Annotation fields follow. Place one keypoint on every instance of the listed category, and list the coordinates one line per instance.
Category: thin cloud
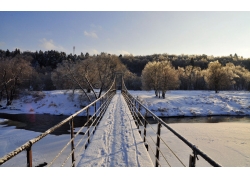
(91, 34)
(124, 52)
(2, 44)
(50, 45)
(94, 51)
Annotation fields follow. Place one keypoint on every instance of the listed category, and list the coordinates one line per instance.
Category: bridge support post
(29, 157)
(72, 142)
(158, 145)
(86, 145)
(95, 109)
(145, 130)
(88, 124)
(101, 104)
(192, 159)
(134, 110)
(95, 120)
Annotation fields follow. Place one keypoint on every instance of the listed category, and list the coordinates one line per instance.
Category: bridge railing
(100, 106)
(136, 108)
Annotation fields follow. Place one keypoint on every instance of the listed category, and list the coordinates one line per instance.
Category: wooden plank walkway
(116, 142)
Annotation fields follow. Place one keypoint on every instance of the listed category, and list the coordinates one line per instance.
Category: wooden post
(29, 157)
(158, 144)
(72, 142)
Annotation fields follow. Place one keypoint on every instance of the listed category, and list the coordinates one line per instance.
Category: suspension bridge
(117, 134)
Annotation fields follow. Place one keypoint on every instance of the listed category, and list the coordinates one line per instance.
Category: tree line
(51, 70)
(161, 76)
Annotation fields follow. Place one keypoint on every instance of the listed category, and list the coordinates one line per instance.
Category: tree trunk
(156, 93)
(79, 84)
(159, 94)
(163, 94)
(7, 95)
(91, 87)
(100, 93)
(9, 102)
(1, 95)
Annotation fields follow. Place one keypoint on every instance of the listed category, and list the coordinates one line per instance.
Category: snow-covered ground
(196, 103)
(177, 103)
(58, 102)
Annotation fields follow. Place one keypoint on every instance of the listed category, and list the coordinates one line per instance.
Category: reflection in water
(40, 122)
(31, 117)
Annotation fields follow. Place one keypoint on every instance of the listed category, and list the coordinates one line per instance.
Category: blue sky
(124, 32)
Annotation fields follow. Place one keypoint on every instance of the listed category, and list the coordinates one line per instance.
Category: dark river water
(42, 122)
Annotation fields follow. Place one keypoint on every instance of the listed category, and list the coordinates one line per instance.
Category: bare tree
(14, 72)
(67, 76)
(104, 67)
(93, 73)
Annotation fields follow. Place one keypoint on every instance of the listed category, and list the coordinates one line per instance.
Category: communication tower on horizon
(74, 50)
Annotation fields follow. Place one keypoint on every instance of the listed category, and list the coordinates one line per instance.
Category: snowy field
(59, 102)
(196, 103)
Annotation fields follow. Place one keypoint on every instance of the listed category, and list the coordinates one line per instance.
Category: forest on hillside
(51, 70)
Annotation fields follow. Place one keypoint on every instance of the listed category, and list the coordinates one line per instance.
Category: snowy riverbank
(177, 103)
(197, 103)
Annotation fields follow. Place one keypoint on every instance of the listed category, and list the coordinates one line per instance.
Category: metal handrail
(27, 146)
(137, 117)
(196, 150)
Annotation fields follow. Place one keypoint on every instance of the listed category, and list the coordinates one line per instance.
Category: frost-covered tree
(168, 77)
(160, 77)
(240, 75)
(191, 78)
(218, 77)
(151, 77)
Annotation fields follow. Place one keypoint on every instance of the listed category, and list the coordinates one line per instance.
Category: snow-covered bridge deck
(116, 141)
